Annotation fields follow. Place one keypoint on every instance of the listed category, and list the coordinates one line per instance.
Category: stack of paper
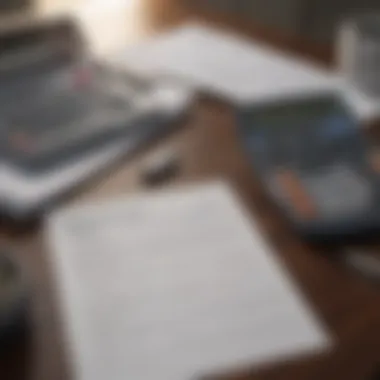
(174, 286)
(230, 66)
(226, 64)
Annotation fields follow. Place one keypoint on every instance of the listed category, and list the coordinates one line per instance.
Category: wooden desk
(348, 304)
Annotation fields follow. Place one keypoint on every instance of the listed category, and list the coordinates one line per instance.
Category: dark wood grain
(347, 304)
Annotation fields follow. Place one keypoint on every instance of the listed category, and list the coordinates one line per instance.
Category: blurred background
(208, 147)
(314, 22)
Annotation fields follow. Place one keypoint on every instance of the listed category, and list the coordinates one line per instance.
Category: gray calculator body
(316, 164)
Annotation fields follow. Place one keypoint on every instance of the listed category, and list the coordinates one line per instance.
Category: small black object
(13, 301)
(160, 171)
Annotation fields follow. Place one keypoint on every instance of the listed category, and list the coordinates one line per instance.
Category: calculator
(66, 116)
(76, 109)
(316, 164)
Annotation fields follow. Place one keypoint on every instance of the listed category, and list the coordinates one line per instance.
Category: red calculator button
(82, 77)
(296, 194)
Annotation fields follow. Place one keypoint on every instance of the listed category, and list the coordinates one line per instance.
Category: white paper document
(227, 65)
(174, 286)
(237, 68)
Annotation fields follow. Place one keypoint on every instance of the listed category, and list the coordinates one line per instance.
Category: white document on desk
(174, 286)
(227, 65)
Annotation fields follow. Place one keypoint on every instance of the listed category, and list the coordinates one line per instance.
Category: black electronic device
(317, 165)
(63, 116)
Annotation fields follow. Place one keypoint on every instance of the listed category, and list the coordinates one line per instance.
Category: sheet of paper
(235, 68)
(174, 286)
(226, 64)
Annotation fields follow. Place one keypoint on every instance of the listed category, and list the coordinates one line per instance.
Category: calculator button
(336, 127)
(295, 194)
(339, 191)
(258, 143)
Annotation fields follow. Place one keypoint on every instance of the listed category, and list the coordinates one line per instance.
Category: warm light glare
(110, 25)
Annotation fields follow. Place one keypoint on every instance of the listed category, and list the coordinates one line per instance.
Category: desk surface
(349, 305)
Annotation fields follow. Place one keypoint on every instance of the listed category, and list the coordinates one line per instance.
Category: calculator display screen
(285, 114)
